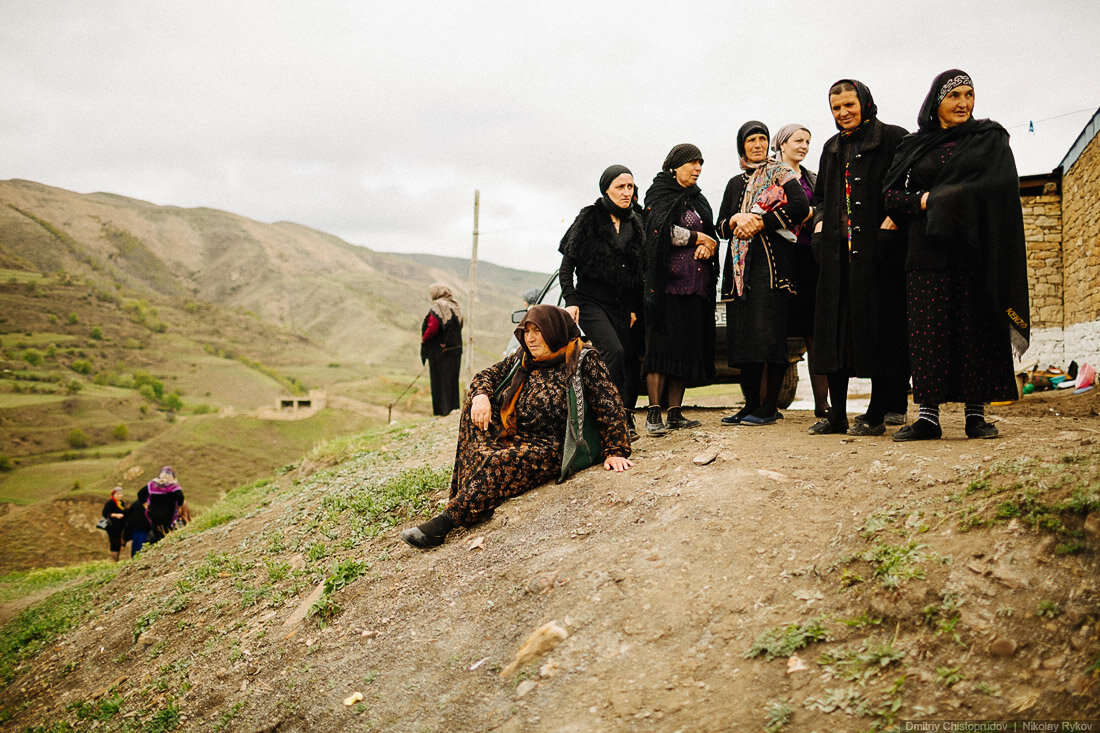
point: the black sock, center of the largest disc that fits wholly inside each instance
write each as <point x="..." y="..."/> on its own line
<point x="769" y="404"/>
<point x="751" y="376"/>
<point x="438" y="526"/>
<point x="838" y="398"/>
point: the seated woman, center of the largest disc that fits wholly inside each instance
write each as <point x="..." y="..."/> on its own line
<point x="512" y="435"/>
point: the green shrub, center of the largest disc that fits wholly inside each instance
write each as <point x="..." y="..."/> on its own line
<point x="77" y="438"/>
<point x="32" y="357"/>
<point x="73" y="319"/>
<point x="81" y="366"/>
<point x="6" y="464"/>
<point x="74" y="386"/>
<point x="121" y="432"/>
<point x="97" y="333"/>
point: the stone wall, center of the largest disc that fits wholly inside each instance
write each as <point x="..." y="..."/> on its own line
<point x="1081" y="255"/>
<point x="1043" y="232"/>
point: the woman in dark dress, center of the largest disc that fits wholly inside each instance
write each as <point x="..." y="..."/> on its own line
<point x="138" y="525"/>
<point x="114" y="511"/>
<point x="512" y="436"/>
<point x="165" y="499"/>
<point x="761" y="209"/>
<point x="860" y="325"/>
<point x="953" y="185"/>
<point x="791" y="144"/>
<point x="680" y="273"/>
<point x="605" y="248"/>
<point x="441" y="347"/>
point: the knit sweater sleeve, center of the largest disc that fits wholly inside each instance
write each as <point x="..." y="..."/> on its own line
<point x="487" y="380"/>
<point x="565" y="279"/>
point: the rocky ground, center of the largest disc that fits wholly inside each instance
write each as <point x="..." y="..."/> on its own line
<point x="736" y="578"/>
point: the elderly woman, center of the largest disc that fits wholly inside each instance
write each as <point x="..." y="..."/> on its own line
<point x="680" y="272"/>
<point x="523" y="423"/>
<point x="605" y="248"/>
<point x="761" y="209"/>
<point x="953" y="186"/>
<point x="165" y="500"/>
<point x="441" y="347"/>
<point x="860" y="315"/>
<point x="114" y="511"/>
<point x="791" y="145"/>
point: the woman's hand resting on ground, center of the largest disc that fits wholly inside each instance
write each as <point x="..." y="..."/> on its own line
<point x="481" y="411"/>
<point x="618" y="464"/>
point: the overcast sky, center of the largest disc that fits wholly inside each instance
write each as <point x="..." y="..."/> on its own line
<point x="376" y="121"/>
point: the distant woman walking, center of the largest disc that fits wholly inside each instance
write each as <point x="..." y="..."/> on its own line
<point x="441" y="348"/>
<point x="114" y="511"/>
<point x="165" y="499"/>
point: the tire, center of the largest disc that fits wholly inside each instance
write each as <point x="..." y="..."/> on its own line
<point x="789" y="386"/>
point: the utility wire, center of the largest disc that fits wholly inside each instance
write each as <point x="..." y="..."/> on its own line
<point x="1048" y="119"/>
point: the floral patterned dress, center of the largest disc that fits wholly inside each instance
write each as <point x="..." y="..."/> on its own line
<point x="489" y="469"/>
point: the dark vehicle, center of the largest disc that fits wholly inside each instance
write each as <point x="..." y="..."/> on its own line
<point x="723" y="373"/>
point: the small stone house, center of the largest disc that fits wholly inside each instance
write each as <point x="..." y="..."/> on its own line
<point x="1062" y="227"/>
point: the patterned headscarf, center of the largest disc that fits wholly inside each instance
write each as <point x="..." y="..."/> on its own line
<point x="928" y="118"/>
<point x="444" y="305"/>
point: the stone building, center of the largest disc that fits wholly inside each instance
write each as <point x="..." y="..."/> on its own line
<point x="1062" y="226"/>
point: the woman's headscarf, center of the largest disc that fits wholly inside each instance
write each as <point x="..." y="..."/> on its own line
<point x="609" y="175"/>
<point x="444" y="305"/>
<point x="974" y="203"/>
<point x="165" y="483"/>
<point x="783" y="136"/>
<point x="868" y="110"/>
<point x="763" y="193"/>
<point x="562" y="337"/>
<point x="928" y="119"/>
<point x="680" y="154"/>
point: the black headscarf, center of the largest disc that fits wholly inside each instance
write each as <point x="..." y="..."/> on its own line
<point x="609" y="175"/>
<point x="680" y="154"/>
<point x="868" y="110"/>
<point x="974" y="204"/>
<point x="665" y="201"/>
<point x="562" y="337"/>
<point x="752" y="127"/>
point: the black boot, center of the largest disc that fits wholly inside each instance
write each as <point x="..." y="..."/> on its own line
<point x="430" y="534"/>
<point x="676" y="420"/>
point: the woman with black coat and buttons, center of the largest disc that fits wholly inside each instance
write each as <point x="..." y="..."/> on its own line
<point x="859" y="319"/>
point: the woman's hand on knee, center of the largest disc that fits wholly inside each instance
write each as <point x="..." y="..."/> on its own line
<point x="618" y="464"/>
<point x="481" y="411"/>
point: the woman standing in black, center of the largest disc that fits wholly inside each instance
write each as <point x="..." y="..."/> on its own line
<point x="680" y="273"/>
<point x="605" y="248"/>
<point x="954" y="186"/>
<point x="114" y="511"/>
<point x="441" y="347"/>
<point x="761" y="209"/>
<point x="859" y="326"/>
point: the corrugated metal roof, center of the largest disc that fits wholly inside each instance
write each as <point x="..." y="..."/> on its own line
<point x="1078" y="147"/>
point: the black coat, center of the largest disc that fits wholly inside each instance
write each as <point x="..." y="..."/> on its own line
<point x="860" y="325"/>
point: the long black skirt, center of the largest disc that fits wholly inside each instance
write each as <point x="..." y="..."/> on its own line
<point x="959" y="349"/>
<point x="680" y="340"/>
<point x="444" y="375"/>
<point x="756" y="323"/>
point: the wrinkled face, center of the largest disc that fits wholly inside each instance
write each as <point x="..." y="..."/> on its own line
<point x="621" y="190"/>
<point x="116" y="494"/>
<point x="796" y="147"/>
<point x="536" y="344"/>
<point x="756" y="147"/>
<point x="845" y="109"/>
<point x="688" y="173"/>
<point x="957" y="107"/>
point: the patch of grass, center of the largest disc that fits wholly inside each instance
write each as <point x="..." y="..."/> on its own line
<point x="165" y="719"/>
<point x="894" y="564"/>
<point x="860" y="621"/>
<point x="36" y="627"/>
<point x="784" y="641"/>
<point x="863" y="663"/>
<point x="1048" y="609"/>
<point x="237" y="503"/>
<point x="950" y="676"/>
<point x="988" y="688"/>
<point x="777" y="715"/>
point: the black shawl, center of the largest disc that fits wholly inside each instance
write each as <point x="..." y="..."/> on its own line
<point x="974" y="206"/>
<point x="601" y="254"/>
<point x="665" y="201"/>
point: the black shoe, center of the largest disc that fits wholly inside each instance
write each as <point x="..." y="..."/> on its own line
<point x="676" y="421"/>
<point x="894" y="418"/>
<point x="754" y="420"/>
<point x="919" y="430"/>
<point x="821" y="411"/>
<point x="828" y="427"/>
<point x="431" y="533"/>
<point x="737" y="417"/>
<point x="653" y="424"/>
<point x="631" y="428"/>
<point x="977" y="427"/>
<point x="864" y="428"/>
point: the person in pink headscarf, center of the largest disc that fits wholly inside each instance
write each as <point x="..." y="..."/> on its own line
<point x="165" y="500"/>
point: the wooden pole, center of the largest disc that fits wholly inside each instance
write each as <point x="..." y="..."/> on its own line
<point x="469" y="325"/>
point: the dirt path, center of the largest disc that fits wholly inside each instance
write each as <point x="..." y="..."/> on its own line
<point x="663" y="578"/>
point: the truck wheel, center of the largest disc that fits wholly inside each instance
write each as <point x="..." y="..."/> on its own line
<point x="789" y="386"/>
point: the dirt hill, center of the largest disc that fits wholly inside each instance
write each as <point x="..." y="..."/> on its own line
<point x="792" y="583"/>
